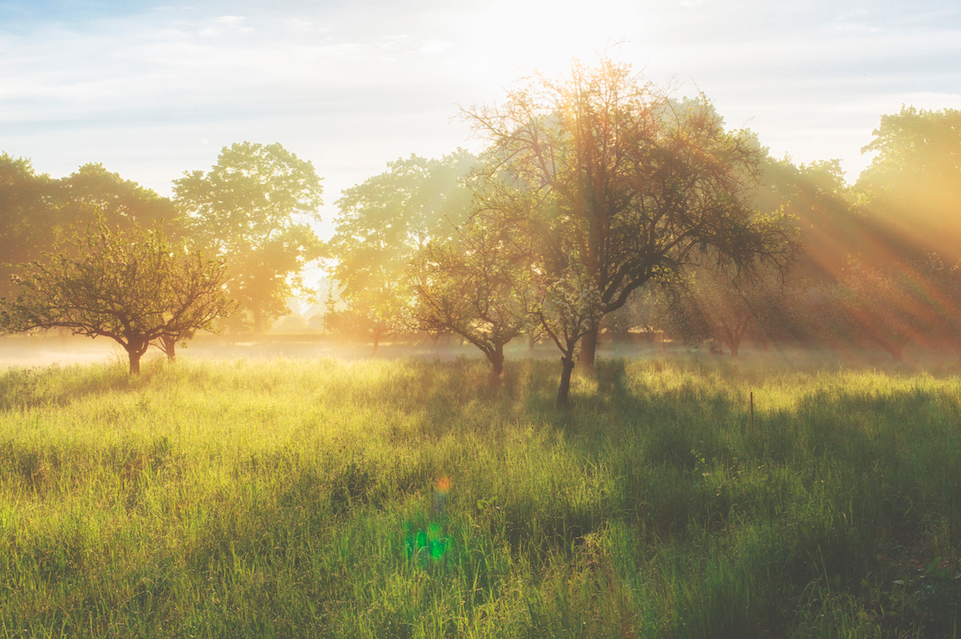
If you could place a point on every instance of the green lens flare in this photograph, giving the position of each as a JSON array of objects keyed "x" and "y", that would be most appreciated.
[{"x": 426, "y": 543}]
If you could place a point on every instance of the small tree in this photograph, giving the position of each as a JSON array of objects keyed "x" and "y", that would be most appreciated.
[
  {"x": 134, "y": 288},
  {"x": 469, "y": 287},
  {"x": 376, "y": 313},
  {"x": 566, "y": 308},
  {"x": 733, "y": 307}
]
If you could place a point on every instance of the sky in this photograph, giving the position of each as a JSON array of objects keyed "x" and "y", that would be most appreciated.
[{"x": 153, "y": 90}]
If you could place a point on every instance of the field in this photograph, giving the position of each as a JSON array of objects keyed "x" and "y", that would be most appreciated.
[{"x": 410, "y": 498}]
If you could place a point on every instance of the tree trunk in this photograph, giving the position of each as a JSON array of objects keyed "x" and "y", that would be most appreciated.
[
  {"x": 497, "y": 362},
  {"x": 258, "y": 322},
  {"x": 169, "y": 346},
  {"x": 588, "y": 348},
  {"x": 376, "y": 344},
  {"x": 734, "y": 342},
  {"x": 134, "y": 355},
  {"x": 896, "y": 351},
  {"x": 563, "y": 390},
  {"x": 531, "y": 340}
]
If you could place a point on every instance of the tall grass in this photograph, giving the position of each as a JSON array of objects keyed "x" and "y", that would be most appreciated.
[{"x": 412, "y": 499}]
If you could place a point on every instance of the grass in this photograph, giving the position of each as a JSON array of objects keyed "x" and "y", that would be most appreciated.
[{"x": 408, "y": 498}]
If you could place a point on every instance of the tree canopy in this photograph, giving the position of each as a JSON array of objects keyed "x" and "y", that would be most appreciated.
[
  {"x": 24, "y": 229},
  {"x": 254, "y": 208},
  {"x": 133, "y": 287},
  {"x": 383, "y": 223},
  {"x": 36, "y": 211},
  {"x": 913, "y": 184},
  {"x": 624, "y": 181}
]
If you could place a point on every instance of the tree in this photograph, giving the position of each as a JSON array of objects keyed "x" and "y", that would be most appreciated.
[
  {"x": 819, "y": 204},
  {"x": 383, "y": 223},
  {"x": 92, "y": 192},
  {"x": 729, "y": 309},
  {"x": 469, "y": 286},
  {"x": 644, "y": 310},
  {"x": 566, "y": 308},
  {"x": 253, "y": 209},
  {"x": 376, "y": 312},
  {"x": 913, "y": 185},
  {"x": 25, "y": 227},
  {"x": 132, "y": 287},
  {"x": 37, "y": 211},
  {"x": 916, "y": 302},
  {"x": 633, "y": 184}
]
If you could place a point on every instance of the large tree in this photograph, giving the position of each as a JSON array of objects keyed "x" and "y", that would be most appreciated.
[
  {"x": 92, "y": 192},
  {"x": 36, "y": 211},
  {"x": 383, "y": 223},
  {"x": 254, "y": 209},
  {"x": 25, "y": 226},
  {"x": 819, "y": 203},
  {"x": 913, "y": 185},
  {"x": 631, "y": 184},
  {"x": 133, "y": 287}
]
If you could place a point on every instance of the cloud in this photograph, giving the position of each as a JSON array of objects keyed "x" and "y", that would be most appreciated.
[
  {"x": 352, "y": 85},
  {"x": 436, "y": 46}
]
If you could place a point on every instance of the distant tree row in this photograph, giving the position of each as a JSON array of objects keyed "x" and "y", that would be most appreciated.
[
  {"x": 102, "y": 256},
  {"x": 600, "y": 206}
]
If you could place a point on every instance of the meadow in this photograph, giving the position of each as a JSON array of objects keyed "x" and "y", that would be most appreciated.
[{"x": 411, "y": 498}]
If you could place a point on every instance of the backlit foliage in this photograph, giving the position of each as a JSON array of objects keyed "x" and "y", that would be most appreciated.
[{"x": 134, "y": 288}]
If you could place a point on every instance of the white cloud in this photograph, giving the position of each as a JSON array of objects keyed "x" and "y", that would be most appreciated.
[
  {"x": 233, "y": 21},
  {"x": 350, "y": 87},
  {"x": 436, "y": 46}
]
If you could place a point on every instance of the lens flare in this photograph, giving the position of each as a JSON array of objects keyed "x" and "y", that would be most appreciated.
[{"x": 427, "y": 541}]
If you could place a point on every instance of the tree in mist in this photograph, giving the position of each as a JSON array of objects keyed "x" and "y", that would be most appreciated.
[
  {"x": 730, "y": 308},
  {"x": 819, "y": 204},
  {"x": 92, "y": 192},
  {"x": 916, "y": 302},
  {"x": 37, "y": 211},
  {"x": 634, "y": 185},
  {"x": 913, "y": 185},
  {"x": 470, "y": 286},
  {"x": 24, "y": 225},
  {"x": 375, "y": 313},
  {"x": 253, "y": 209},
  {"x": 643, "y": 311},
  {"x": 382, "y": 224},
  {"x": 133, "y": 287}
]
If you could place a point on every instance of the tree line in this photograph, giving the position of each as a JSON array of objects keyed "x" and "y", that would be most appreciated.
[{"x": 599, "y": 206}]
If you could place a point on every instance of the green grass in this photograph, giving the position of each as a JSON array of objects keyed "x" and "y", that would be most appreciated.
[{"x": 410, "y": 499}]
